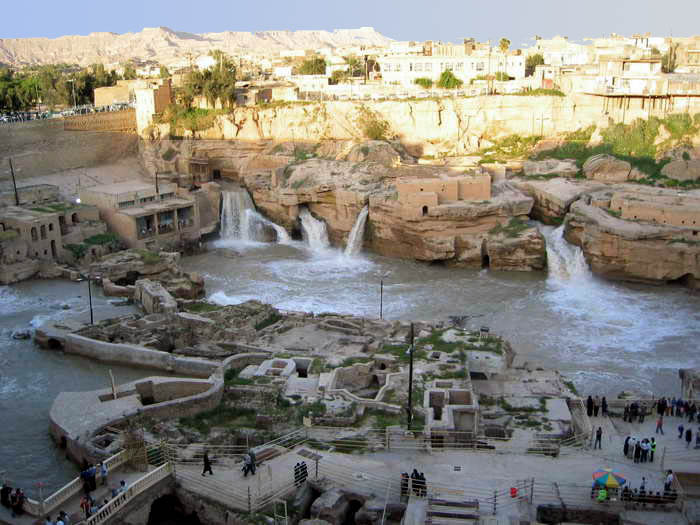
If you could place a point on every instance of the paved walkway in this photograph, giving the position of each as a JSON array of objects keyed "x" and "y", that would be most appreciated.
[{"x": 72, "y": 505}]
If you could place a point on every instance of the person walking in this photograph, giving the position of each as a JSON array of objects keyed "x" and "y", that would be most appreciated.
[
  {"x": 680, "y": 430},
  {"x": 660, "y": 425},
  {"x": 207, "y": 464},
  {"x": 671, "y": 409},
  {"x": 652, "y": 449},
  {"x": 626, "y": 446},
  {"x": 604, "y": 407},
  {"x": 589, "y": 406},
  {"x": 596, "y": 406},
  {"x": 688, "y": 437},
  {"x": 598, "y": 438},
  {"x": 247, "y": 465}
]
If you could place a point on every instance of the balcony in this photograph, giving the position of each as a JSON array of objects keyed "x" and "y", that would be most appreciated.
[{"x": 145, "y": 233}]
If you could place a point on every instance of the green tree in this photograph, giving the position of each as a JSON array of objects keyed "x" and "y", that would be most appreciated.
[
  {"x": 532, "y": 62},
  {"x": 449, "y": 81},
  {"x": 338, "y": 77},
  {"x": 356, "y": 66},
  {"x": 312, "y": 66},
  {"x": 164, "y": 73},
  {"x": 669, "y": 60},
  {"x": 129, "y": 72},
  {"x": 424, "y": 82},
  {"x": 504, "y": 45}
]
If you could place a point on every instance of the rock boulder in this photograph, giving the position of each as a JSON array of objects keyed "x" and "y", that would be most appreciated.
[
  {"x": 682, "y": 170},
  {"x": 607, "y": 168},
  {"x": 566, "y": 167}
]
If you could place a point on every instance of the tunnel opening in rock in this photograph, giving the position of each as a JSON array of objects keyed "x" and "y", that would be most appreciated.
[
  {"x": 353, "y": 506},
  {"x": 54, "y": 344},
  {"x": 129, "y": 279},
  {"x": 167, "y": 510}
]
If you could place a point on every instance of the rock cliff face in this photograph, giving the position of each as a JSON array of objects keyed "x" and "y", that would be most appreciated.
[{"x": 634, "y": 251}]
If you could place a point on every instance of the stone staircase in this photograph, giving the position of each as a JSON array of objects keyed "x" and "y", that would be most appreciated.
[{"x": 446, "y": 512}]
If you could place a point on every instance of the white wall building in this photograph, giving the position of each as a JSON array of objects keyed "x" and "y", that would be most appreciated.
[{"x": 404, "y": 70}]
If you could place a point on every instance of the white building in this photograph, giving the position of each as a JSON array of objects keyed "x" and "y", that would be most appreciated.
[{"x": 405, "y": 69}]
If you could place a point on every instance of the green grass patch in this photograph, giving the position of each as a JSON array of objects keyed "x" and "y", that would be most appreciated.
[
  {"x": 231, "y": 378},
  {"x": 268, "y": 321},
  {"x": 400, "y": 351},
  {"x": 540, "y": 92},
  {"x": 509, "y": 148},
  {"x": 512, "y": 230},
  {"x": 352, "y": 360},
  {"x": 438, "y": 344},
  {"x": 8, "y": 235},
  {"x": 148, "y": 257},
  {"x": 615, "y": 213},
  {"x": 101, "y": 239},
  {"x": 680, "y": 240},
  {"x": 201, "y": 307},
  {"x": 222, "y": 415}
]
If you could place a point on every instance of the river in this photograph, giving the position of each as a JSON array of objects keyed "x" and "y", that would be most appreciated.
[{"x": 604, "y": 336}]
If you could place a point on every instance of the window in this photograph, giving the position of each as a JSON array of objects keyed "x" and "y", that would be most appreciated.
[
  {"x": 164, "y": 196},
  {"x": 419, "y": 67},
  {"x": 148, "y": 199},
  {"x": 480, "y": 66},
  {"x": 428, "y": 66},
  {"x": 127, "y": 204},
  {"x": 397, "y": 68},
  {"x": 51, "y": 227},
  {"x": 387, "y": 68},
  {"x": 459, "y": 66},
  {"x": 410, "y": 66}
]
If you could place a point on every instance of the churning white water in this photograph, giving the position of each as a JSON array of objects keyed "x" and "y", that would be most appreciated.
[
  {"x": 241, "y": 222},
  {"x": 565, "y": 262},
  {"x": 314, "y": 231},
  {"x": 357, "y": 233}
]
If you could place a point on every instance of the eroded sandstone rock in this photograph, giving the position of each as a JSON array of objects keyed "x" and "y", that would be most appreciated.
[
  {"x": 682, "y": 170},
  {"x": 607, "y": 168}
]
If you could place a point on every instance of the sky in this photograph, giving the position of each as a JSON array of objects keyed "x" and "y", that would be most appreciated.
[{"x": 445, "y": 20}]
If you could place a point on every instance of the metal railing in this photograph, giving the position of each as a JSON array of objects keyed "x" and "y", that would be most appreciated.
[{"x": 140, "y": 485}]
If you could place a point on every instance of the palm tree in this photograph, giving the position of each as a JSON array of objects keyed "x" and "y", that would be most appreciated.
[{"x": 503, "y": 45}]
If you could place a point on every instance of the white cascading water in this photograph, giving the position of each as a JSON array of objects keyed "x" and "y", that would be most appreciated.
[
  {"x": 357, "y": 233},
  {"x": 565, "y": 261},
  {"x": 240, "y": 221},
  {"x": 314, "y": 231}
]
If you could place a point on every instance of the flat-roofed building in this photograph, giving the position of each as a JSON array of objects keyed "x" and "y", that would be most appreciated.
[{"x": 144, "y": 217}]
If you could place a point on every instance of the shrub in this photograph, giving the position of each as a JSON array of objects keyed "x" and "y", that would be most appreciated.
[
  {"x": 372, "y": 125},
  {"x": 449, "y": 81},
  {"x": 269, "y": 321},
  {"x": 313, "y": 66},
  {"x": 149, "y": 257},
  {"x": 78, "y": 250},
  {"x": 424, "y": 82},
  {"x": 101, "y": 239},
  {"x": 532, "y": 62}
]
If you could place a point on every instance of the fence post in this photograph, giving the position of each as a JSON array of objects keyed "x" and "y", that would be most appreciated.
[
  {"x": 663, "y": 458},
  {"x": 495, "y": 500},
  {"x": 388, "y": 439},
  {"x": 532, "y": 490},
  {"x": 250, "y": 506}
]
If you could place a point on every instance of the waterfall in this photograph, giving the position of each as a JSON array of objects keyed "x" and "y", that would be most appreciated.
[
  {"x": 357, "y": 233},
  {"x": 315, "y": 232},
  {"x": 240, "y": 221},
  {"x": 565, "y": 261}
]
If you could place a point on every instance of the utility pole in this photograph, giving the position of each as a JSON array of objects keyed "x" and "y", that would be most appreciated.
[
  {"x": 409, "y": 410},
  {"x": 92, "y": 319},
  {"x": 14, "y": 182},
  {"x": 381, "y": 299}
]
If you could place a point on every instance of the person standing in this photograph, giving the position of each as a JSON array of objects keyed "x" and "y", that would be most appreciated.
[
  {"x": 645, "y": 450},
  {"x": 652, "y": 449},
  {"x": 207, "y": 464},
  {"x": 604, "y": 407},
  {"x": 660, "y": 425},
  {"x": 626, "y": 412},
  {"x": 589, "y": 406},
  {"x": 688, "y": 437},
  {"x": 680, "y": 430},
  {"x": 252, "y": 461},
  {"x": 637, "y": 452},
  {"x": 626, "y": 446},
  {"x": 672, "y": 407},
  {"x": 85, "y": 506},
  {"x": 598, "y": 438},
  {"x": 247, "y": 464},
  {"x": 642, "y": 412},
  {"x": 103, "y": 473},
  {"x": 596, "y": 406},
  {"x": 669, "y": 481}
]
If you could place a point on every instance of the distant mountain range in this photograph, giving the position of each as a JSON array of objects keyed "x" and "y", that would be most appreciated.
[{"x": 165, "y": 46}]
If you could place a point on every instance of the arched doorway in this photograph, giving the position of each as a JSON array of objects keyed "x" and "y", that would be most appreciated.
[
  {"x": 53, "y": 248},
  {"x": 74, "y": 218},
  {"x": 42, "y": 230},
  {"x": 35, "y": 237},
  {"x": 425, "y": 211}
]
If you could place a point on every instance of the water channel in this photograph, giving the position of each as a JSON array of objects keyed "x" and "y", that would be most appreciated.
[{"x": 604, "y": 336}]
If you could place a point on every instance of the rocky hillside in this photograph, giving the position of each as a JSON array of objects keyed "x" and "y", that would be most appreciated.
[{"x": 165, "y": 46}]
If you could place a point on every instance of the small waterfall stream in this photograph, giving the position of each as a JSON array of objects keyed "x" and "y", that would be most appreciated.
[
  {"x": 565, "y": 261},
  {"x": 240, "y": 220},
  {"x": 314, "y": 231},
  {"x": 357, "y": 234}
]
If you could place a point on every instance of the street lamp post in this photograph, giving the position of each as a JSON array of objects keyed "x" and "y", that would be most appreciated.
[
  {"x": 89, "y": 280},
  {"x": 409, "y": 410},
  {"x": 14, "y": 182}
]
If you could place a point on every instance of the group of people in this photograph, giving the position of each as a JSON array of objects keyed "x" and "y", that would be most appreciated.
[
  {"x": 300, "y": 474},
  {"x": 13, "y": 499},
  {"x": 641, "y": 495},
  {"x": 89, "y": 476},
  {"x": 90, "y": 506},
  {"x": 634, "y": 412},
  {"x": 418, "y": 483},
  {"x": 595, "y": 405},
  {"x": 689, "y": 436},
  {"x": 61, "y": 519},
  {"x": 640, "y": 450}
]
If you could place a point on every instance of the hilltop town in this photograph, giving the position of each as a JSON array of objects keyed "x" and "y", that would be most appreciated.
[{"x": 452, "y": 154}]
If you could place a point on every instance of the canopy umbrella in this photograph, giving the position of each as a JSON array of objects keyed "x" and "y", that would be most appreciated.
[{"x": 609, "y": 478}]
